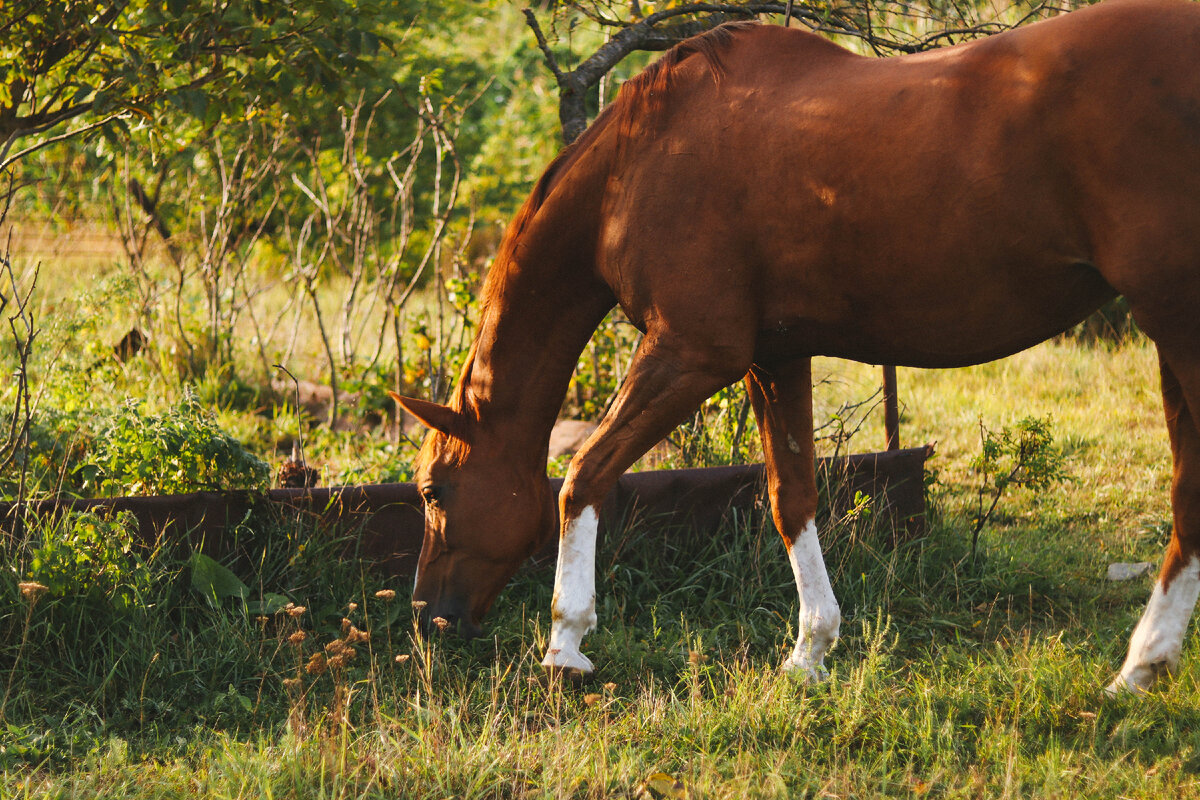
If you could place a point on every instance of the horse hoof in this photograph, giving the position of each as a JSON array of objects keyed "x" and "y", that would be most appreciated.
[
  {"x": 1122, "y": 685},
  {"x": 571, "y": 675},
  {"x": 1137, "y": 680},
  {"x": 573, "y": 666},
  {"x": 804, "y": 671}
]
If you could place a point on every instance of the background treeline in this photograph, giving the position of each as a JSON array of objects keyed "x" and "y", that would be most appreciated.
[{"x": 195, "y": 193}]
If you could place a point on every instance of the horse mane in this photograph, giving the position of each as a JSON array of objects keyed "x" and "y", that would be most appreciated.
[
  {"x": 643, "y": 94},
  {"x": 640, "y": 95},
  {"x": 494, "y": 281}
]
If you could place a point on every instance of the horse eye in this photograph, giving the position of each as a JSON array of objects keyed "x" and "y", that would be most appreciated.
[{"x": 431, "y": 495}]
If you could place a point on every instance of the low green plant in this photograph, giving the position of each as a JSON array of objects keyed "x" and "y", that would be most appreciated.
[
  {"x": 89, "y": 556},
  {"x": 180, "y": 450},
  {"x": 1021, "y": 456}
]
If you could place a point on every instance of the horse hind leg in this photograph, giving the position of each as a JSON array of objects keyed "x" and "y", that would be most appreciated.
[
  {"x": 782, "y": 401},
  {"x": 666, "y": 382},
  {"x": 1157, "y": 641}
]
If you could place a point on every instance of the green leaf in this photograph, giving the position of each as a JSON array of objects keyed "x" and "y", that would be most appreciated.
[{"x": 214, "y": 581}]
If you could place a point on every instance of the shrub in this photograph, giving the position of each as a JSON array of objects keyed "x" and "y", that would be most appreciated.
[
  {"x": 89, "y": 557},
  {"x": 1022, "y": 456},
  {"x": 181, "y": 450}
]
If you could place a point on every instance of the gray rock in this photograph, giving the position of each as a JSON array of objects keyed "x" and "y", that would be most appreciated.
[{"x": 1123, "y": 571}]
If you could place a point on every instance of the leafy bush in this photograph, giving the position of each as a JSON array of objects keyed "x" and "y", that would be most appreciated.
[
  {"x": 181, "y": 450},
  {"x": 90, "y": 557},
  {"x": 1022, "y": 456}
]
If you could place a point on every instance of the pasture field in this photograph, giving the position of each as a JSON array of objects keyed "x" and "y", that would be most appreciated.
[
  {"x": 288, "y": 669},
  {"x": 953, "y": 678}
]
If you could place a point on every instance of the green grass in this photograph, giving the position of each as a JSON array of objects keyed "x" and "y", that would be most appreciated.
[{"x": 953, "y": 678}]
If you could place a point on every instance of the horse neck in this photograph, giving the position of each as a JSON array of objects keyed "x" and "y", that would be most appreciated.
[{"x": 532, "y": 330}]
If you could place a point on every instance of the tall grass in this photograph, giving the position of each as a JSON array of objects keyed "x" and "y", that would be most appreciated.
[{"x": 954, "y": 677}]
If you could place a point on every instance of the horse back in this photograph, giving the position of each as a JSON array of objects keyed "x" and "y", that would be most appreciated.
[{"x": 934, "y": 209}]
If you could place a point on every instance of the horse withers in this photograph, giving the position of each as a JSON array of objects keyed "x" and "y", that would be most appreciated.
[{"x": 760, "y": 196}]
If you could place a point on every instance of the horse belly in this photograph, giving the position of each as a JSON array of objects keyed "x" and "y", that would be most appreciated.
[{"x": 953, "y": 321}]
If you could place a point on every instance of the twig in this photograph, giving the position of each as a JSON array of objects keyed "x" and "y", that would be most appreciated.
[{"x": 299, "y": 421}]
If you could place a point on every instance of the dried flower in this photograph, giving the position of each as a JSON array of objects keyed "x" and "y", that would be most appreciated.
[
  {"x": 294, "y": 610},
  {"x": 386, "y": 594},
  {"x": 419, "y": 605},
  {"x": 32, "y": 590},
  {"x": 317, "y": 664},
  {"x": 441, "y": 622},
  {"x": 592, "y": 699},
  {"x": 336, "y": 647},
  {"x": 356, "y": 636},
  {"x": 338, "y": 662},
  {"x": 353, "y": 607},
  {"x": 609, "y": 687},
  {"x": 696, "y": 658},
  {"x": 298, "y": 637},
  {"x": 400, "y": 659},
  {"x": 292, "y": 683}
]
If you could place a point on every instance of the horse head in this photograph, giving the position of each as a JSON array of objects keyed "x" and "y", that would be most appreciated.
[{"x": 485, "y": 514}]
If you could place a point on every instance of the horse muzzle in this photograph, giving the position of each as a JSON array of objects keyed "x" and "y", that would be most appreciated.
[{"x": 447, "y": 617}]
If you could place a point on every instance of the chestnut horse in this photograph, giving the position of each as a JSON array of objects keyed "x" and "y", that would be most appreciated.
[{"x": 760, "y": 196}]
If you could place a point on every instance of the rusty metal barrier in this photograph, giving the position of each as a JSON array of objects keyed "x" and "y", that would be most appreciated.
[{"x": 384, "y": 523}]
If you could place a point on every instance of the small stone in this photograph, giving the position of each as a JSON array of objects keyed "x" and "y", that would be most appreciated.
[{"x": 1125, "y": 571}]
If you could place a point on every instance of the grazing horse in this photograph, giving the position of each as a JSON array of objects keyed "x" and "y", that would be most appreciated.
[{"x": 760, "y": 196}]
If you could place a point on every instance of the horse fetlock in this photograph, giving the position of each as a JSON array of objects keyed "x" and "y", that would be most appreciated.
[
  {"x": 1157, "y": 642},
  {"x": 818, "y": 633},
  {"x": 566, "y": 636},
  {"x": 819, "y": 629},
  {"x": 575, "y": 617}
]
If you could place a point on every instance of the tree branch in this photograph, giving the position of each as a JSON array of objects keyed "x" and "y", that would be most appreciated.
[
  {"x": 649, "y": 34},
  {"x": 7, "y": 160}
]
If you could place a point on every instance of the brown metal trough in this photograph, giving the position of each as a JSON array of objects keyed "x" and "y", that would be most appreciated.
[{"x": 384, "y": 523}]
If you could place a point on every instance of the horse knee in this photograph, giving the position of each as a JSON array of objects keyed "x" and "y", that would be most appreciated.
[{"x": 585, "y": 486}]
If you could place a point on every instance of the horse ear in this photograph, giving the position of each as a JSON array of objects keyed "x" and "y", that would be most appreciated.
[{"x": 434, "y": 415}]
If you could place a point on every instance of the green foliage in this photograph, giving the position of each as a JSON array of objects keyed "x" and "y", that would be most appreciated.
[
  {"x": 90, "y": 557},
  {"x": 180, "y": 450},
  {"x": 129, "y": 60},
  {"x": 950, "y": 680},
  {"x": 601, "y": 366},
  {"x": 1023, "y": 456},
  {"x": 213, "y": 581},
  {"x": 921, "y": 700}
]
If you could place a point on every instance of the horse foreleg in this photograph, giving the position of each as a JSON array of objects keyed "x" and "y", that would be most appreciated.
[
  {"x": 573, "y": 609},
  {"x": 782, "y": 400},
  {"x": 1157, "y": 640},
  {"x": 664, "y": 385}
]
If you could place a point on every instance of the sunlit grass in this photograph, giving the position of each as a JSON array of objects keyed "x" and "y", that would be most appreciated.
[{"x": 953, "y": 677}]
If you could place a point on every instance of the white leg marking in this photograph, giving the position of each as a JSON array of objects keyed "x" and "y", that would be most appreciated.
[
  {"x": 820, "y": 616},
  {"x": 1158, "y": 637},
  {"x": 573, "y": 612}
]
